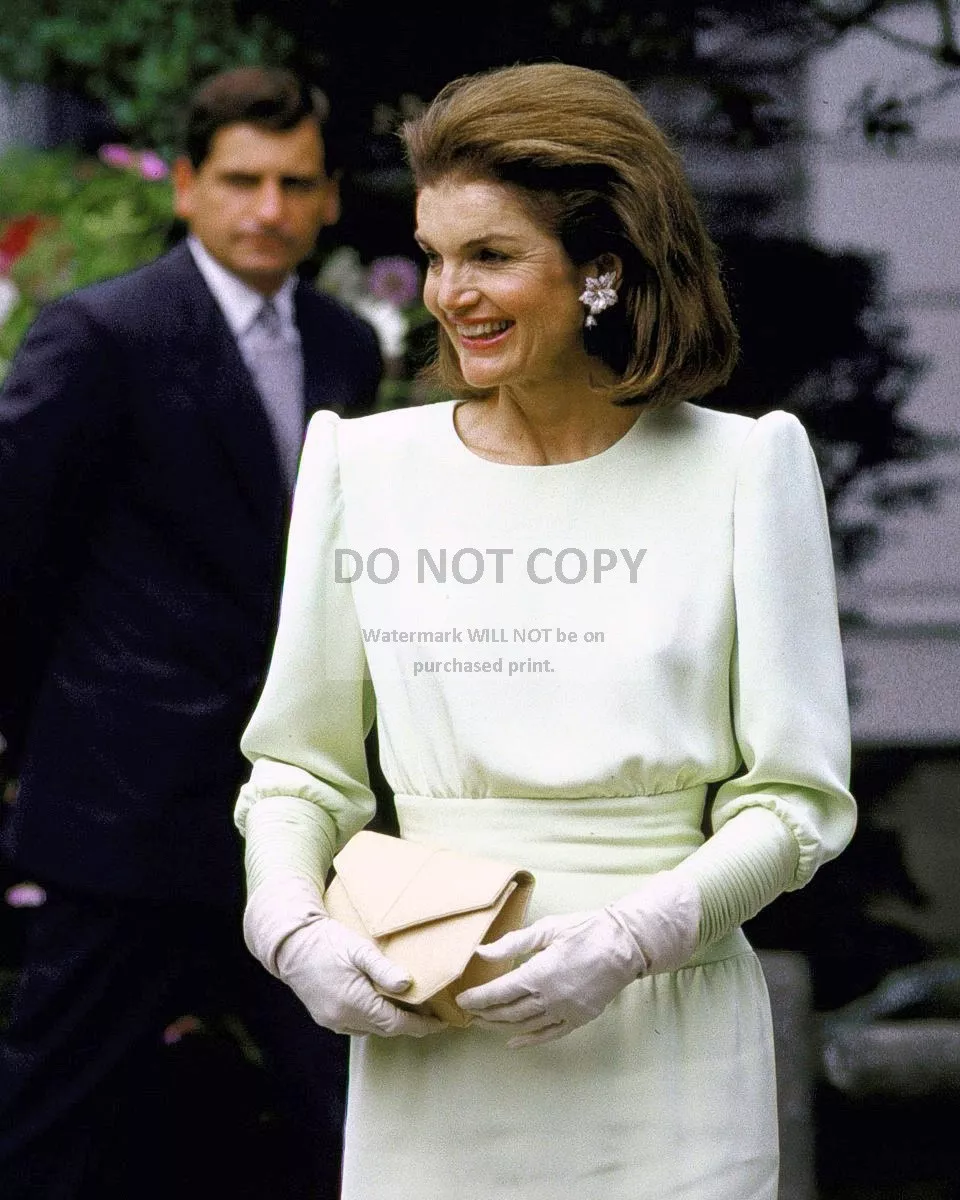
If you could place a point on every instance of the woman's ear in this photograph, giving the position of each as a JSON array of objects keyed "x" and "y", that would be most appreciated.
[{"x": 606, "y": 264}]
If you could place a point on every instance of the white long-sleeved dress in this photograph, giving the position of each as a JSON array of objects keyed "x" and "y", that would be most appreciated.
[{"x": 562, "y": 660}]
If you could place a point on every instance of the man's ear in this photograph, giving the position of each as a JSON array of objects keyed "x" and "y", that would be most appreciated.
[
  {"x": 331, "y": 200},
  {"x": 183, "y": 176}
]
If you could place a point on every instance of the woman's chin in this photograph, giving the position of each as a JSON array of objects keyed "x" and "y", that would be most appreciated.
[{"x": 483, "y": 379}]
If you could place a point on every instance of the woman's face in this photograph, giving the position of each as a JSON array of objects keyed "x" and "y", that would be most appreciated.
[{"x": 502, "y": 287}]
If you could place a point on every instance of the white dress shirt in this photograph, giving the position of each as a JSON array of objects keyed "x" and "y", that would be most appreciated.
[
  {"x": 277, "y": 371},
  {"x": 240, "y": 303}
]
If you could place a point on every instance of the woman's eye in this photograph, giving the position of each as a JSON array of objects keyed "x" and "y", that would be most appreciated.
[
  {"x": 433, "y": 259},
  {"x": 487, "y": 255}
]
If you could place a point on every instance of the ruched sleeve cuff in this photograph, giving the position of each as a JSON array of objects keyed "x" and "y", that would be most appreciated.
[
  {"x": 288, "y": 837},
  {"x": 739, "y": 870}
]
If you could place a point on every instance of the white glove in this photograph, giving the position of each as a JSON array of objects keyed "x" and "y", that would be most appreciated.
[
  {"x": 582, "y": 960},
  {"x": 334, "y": 971}
]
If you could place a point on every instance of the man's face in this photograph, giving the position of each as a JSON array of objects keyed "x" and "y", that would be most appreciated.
[{"x": 258, "y": 200}]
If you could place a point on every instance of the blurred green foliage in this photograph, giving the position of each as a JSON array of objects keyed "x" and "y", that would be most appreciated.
[
  {"x": 94, "y": 221},
  {"x": 139, "y": 58}
]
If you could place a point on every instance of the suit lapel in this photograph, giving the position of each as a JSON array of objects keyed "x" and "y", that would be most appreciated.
[
  {"x": 226, "y": 396},
  {"x": 323, "y": 383}
]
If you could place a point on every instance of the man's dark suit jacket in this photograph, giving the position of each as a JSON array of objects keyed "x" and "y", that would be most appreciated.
[{"x": 143, "y": 516}]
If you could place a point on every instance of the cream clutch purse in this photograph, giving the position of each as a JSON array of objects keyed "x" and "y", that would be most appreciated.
[{"x": 428, "y": 909}]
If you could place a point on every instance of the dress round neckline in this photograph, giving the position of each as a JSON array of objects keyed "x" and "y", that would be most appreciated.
[{"x": 611, "y": 453}]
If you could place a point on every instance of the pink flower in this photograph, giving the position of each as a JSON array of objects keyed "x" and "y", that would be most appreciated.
[
  {"x": 152, "y": 165},
  {"x": 25, "y": 895},
  {"x": 180, "y": 1028},
  {"x": 394, "y": 279},
  {"x": 115, "y": 155}
]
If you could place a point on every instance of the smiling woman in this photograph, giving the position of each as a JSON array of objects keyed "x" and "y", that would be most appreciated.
[
  {"x": 590, "y": 171},
  {"x": 671, "y": 566},
  {"x": 503, "y": 290}
]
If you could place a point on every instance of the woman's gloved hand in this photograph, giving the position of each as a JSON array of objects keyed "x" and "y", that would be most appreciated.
[
  {"x": 580, "y": 961},
  {"x": 335, "y": 972}
]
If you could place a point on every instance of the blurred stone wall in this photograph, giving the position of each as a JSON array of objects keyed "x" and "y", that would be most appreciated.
[{"x": 903, "y": 204}]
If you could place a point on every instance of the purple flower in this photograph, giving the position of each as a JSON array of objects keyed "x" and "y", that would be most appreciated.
[
  {"x": 115, "y": 155},
  {"x": 394, "y": 279},
  {"x": 152, "y": 165},
  {"x": 25, "y": 895}
]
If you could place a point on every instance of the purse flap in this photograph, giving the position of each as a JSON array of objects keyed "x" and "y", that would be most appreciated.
[{"x": 395, "y": 884}]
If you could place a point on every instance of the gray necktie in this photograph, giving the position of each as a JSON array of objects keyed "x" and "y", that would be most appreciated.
[{"x": 277, "y": 368}]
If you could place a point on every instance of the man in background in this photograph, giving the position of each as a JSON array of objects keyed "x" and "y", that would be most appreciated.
[{"x": 149, "y": 433}]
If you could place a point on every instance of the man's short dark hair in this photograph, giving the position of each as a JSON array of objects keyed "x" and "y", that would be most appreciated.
[{"x": 271, "y": 98}]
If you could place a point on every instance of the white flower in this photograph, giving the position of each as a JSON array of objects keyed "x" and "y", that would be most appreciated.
[
  {"x": 388, "y": 322},
  {"x": 8, "y": 297},
  {"x": 343, "y": 275}
]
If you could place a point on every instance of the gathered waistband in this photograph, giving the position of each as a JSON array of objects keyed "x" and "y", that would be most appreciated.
[
  {"x": 583, "y": 851},
  {"x": 603, "y": 835}
]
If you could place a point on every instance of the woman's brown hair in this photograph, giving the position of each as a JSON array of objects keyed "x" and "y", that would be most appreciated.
[{"x": 594, "y": 169}]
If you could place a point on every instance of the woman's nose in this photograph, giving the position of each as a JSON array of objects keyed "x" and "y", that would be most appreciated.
[{"x": 455, "y": 290}]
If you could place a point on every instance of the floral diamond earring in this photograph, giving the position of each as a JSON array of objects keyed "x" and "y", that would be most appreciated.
[{"x": 598, "y": 294}]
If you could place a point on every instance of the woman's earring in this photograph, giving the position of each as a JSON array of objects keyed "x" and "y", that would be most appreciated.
[{"x": 598, "y": 294}]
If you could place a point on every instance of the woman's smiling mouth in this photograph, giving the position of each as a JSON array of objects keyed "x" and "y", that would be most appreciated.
[{"x": 482, "y": 332}]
